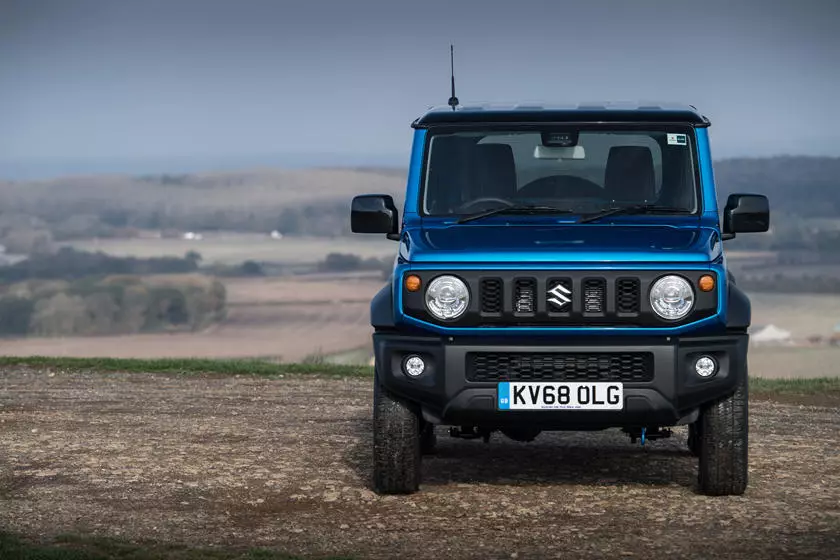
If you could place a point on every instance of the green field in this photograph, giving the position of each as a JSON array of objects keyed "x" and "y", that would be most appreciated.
[
  {"x": 784, "y": 361},
  {"x": 801, "y": 314},
  {"x": 824, "y": 386},
  {"x": 234, "y": 248}
]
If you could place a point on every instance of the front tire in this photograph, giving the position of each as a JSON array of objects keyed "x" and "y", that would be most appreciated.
[
  {"x": 694, "y": 437},
  {"x": 428, "y": 439},
  {"x": 723, "y": 445},
  {"x": 396, "y": 444}
]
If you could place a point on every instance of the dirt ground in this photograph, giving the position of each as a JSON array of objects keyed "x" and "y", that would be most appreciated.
[{"x": 284, "y": 464}]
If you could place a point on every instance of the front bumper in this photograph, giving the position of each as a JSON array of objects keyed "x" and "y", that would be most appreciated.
[{"x": 674, "y": 394}]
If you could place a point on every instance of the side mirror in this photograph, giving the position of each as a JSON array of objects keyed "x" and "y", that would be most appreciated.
[
  {"x": 375, "y": 213},
  {"x": 745, "y": 213}
]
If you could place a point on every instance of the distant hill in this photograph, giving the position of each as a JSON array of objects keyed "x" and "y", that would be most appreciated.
[
  {"x": 315, "y": 201},
  {"x": 797, "y": 185}
]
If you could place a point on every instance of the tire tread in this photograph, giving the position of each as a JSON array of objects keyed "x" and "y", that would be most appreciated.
[
  {"x": 723, "y": 445},
  {"x": 396, "y": 445}
]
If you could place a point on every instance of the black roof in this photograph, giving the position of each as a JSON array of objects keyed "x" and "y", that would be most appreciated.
[{"x": 582, "y": 113}]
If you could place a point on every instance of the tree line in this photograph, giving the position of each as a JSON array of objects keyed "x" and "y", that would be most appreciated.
[{"x": 79, "y": 293}]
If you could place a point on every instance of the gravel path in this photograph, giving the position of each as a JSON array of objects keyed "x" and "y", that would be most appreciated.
[{"x": 284, "y": 463}]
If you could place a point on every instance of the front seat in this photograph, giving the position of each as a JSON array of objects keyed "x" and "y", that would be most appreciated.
[
  {"x": 494, "y": 172},
  {"x": 629, "y": 176}
]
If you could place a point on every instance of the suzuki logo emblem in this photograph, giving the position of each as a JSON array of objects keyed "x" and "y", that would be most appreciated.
[{"x": 560, "y": 295}]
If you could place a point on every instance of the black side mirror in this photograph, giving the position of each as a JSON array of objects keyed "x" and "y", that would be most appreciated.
[
  {"x": 375, "y": 213},
  {"x": 745, "y": 213}
]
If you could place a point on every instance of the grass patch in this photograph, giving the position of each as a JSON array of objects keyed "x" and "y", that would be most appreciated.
[
  {"x": 817, "y": 391},
  {"x": 75, "y": 547},
  {"x": 823, "y": 388},
  {"x": 800, "y": 386},
  {"x": 189, "y": 366}
]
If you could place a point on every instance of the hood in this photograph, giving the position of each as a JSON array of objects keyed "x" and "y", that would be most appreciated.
[{"x": 574, "y": 243}]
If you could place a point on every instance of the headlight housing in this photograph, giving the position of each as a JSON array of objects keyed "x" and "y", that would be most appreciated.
[
  {"x": 447, "y": 297},
  {"x": 672, "y": 297}
]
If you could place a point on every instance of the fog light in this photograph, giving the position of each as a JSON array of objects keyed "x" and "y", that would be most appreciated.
[
  {"x": 705, "y": 366},
  {"x": 414, "y": 366}
]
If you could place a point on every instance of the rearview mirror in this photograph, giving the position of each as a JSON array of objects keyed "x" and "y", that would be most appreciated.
[
  {"x": 374, "y": 213},
  {"x": 745, "y": 213}
]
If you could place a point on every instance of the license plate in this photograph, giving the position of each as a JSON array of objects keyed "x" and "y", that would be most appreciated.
[{"x": 560, "y": 396}]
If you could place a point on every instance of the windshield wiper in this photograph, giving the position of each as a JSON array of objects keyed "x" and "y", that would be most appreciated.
[
  {"x": 513, "y": 210},
  {"x": 634, "y": 209}
]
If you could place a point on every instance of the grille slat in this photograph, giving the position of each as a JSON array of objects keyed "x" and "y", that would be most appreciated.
[
  {"x": 627, "y": 295},
  {"x": 594, "y": 295},
  {"x": 491, "y": 295},
  {"x": 524, "y": 296},
  {"x": 536, "y": 366}
]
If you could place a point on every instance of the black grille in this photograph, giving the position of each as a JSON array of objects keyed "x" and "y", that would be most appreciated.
[
  {"x": 594, "y": 294},
  {"x": 524, "y": 296},
  {"x": 627, "y": 295},
  {"x": 533, "y": 366},
  {"x": 533, "y": 298},
  {"x": 491, "y": 295}
]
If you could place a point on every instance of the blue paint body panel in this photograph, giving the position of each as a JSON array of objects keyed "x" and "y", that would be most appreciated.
[{"x": 521, "y": 242}]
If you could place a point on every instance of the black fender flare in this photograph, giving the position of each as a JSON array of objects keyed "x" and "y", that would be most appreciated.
[
  {"x": 739, "y": 311},
  {"x": 382, "y": 308}
]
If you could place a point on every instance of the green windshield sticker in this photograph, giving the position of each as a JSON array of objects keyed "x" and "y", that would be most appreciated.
[{"x": 677, "y": 140}]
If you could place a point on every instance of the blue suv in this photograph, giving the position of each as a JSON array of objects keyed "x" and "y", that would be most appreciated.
[{"x": 560, "y": 268}]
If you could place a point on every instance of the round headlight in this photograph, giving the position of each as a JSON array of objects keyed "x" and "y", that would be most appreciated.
[
  {"x": 447, "y": 297},
  {"x": 672, "y": 297}
]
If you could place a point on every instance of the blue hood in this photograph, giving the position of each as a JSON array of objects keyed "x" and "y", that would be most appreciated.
[{"x": 573, "y": 243}]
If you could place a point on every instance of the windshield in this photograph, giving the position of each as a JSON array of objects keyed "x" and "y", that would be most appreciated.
[{"x": 576, "y": 171}]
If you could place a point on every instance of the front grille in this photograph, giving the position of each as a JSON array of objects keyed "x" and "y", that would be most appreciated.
[
  {"x": 537, "y": 366},
  {"x": 491, "y": 295},
  {"x": 594, "y": 295},
  {"x": 524, "y": 294},
  {"x": 556, "y": 298},
  {"x": 627, "y": 294}
]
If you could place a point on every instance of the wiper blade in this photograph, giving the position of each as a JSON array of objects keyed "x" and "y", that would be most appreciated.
[
  {"x": 513, "y": 210},
  {"x": 634, "y": 209}
]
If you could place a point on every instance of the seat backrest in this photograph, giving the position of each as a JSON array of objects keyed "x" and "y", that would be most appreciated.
[
  {"x": 629, "y": 176},
  {"x": 493, "y": 171}
]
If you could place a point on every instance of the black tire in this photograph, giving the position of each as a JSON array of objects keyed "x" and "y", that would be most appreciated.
[
  {"x": 723, "y": 444},
  {"x": 428, "y": 439},
  {"x": 694, "y": 437},
  {"x": 396, "y": 445}
]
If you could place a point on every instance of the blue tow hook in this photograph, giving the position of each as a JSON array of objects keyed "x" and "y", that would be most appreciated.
[{"x": 642, "y": 439}]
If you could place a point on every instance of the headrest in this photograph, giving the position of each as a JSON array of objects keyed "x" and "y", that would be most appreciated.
[
  {"x": 629, "y": 176},
  {"x": 494, "y": 171}
]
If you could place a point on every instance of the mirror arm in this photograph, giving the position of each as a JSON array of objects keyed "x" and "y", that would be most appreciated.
[
  {"x": 393, "y": 236},
  {"x": 727, "y": 236}
]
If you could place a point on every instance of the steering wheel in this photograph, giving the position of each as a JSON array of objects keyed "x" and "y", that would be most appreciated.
[{"x": 470, "y": 205}]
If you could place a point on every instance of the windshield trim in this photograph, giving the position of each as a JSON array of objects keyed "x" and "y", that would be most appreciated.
[{"x": 683, "y": 127}]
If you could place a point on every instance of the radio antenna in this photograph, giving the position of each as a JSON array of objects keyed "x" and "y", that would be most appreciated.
[{"x": 453, "y": 101}]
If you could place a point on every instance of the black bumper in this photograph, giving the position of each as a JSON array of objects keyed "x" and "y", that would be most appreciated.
[{"x": 674, "y": 393}]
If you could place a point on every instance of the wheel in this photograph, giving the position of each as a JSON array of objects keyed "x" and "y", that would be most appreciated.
[
  {"x": 722, "y": 444},
  {"x": 428, "y": 439},
  {"x": 396, "y": 444},
  {"x": 694, "y": 438}
]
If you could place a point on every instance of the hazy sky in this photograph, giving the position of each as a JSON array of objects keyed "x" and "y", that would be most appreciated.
[{"x": 93, "y": 80}]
